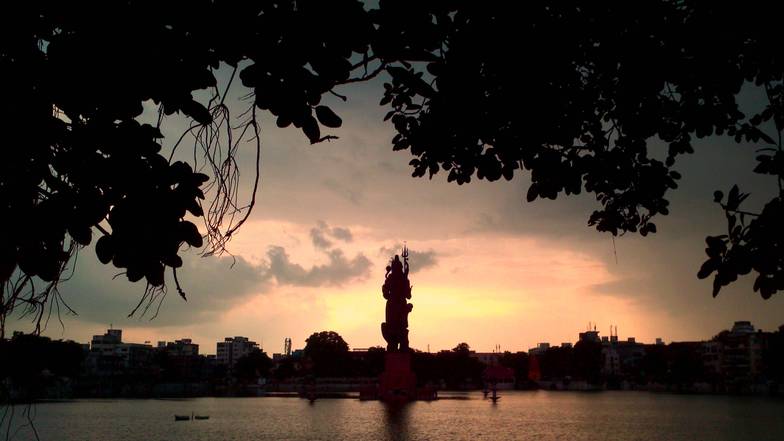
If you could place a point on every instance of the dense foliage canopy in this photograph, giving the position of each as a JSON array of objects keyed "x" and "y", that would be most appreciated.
[
  {"x": 255, "y": 365},
  {"x": 572, "y": 91},
  {"x": 328, "y": 353}
]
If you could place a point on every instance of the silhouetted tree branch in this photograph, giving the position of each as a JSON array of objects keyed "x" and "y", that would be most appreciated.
[{"x": 573, "y": 92}]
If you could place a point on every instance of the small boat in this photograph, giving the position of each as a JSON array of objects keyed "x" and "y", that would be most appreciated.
[
  {"x": 182, "y": 417},
  {"x": 201, "y": 417}
]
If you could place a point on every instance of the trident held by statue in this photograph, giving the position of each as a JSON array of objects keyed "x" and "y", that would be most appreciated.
[{"x": 405, "y": 258}]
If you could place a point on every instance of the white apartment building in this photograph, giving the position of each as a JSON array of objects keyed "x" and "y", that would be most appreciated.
[{"x": 232, "y": 349}]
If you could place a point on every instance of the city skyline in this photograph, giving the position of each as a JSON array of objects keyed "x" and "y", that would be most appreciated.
[{"x": 210, "y": 348}]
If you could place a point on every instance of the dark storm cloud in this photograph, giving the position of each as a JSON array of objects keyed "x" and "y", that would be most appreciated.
[
  {"x": 419, "y": 260},
  {"x": 626, "y": 287},
  {"x": 658, "y": 276},
  {"x": 212, "y": 285},
  {"x": 337, "y": 271}
]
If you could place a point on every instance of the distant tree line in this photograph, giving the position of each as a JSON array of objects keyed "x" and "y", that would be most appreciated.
[
  {"x": 37, "y": 367},
  {"x": 327, "y": 355},
  {"x": 455, "y": 368},
  {"x": 33, "y": 364}
]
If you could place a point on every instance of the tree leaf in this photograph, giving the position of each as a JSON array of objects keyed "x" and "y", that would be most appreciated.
[
  {"x": 708, "y": 267},
  {"x": 104, "y": 249},
  {"x": 196, "y": 111},
  {"x": 311, "y": 129},
  {"x": 327, "y": 117},
  {"x": 533, "y": 192},
  {"x": 716, "y": 285}
]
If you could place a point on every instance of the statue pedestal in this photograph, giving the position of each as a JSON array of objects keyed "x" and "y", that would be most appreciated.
[{"x": 398, "y": 382}]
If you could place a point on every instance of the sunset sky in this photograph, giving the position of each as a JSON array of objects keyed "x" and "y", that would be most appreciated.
[{"x": 487, "y": 267}]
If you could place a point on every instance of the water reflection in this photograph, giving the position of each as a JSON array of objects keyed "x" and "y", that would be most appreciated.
[
  {"x": 396, "y": 421},
  {"x": 540, "y": 416}
]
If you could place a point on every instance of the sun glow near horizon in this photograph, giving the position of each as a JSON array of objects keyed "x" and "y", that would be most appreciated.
[{"x": 481, "y": 288}]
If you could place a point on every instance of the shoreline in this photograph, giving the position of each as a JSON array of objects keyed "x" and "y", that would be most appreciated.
[{"x": 449, "y": 394}]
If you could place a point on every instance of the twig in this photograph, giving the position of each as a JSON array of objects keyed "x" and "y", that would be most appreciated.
[{"x": 177, "y": 283}]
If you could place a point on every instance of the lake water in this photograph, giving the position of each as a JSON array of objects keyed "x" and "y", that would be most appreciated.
[{"x": 519, "y": 415}]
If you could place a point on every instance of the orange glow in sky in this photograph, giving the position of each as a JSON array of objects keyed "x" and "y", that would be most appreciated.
[
  {"x": 492, "y": 269},
  {"x": 484, "y": 289}
]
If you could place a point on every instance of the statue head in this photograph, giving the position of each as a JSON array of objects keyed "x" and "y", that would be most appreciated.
[{"x": 397, "y": 265}]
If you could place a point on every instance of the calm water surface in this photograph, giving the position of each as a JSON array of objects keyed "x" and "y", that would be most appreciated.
[{"x": 519, "y": 415}]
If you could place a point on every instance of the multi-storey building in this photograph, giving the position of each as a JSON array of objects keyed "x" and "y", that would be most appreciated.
[
  {"x": 741, "y": 354},
  {"x": 184, "y": 347},
  {"x": 108, "y": 354},
  {"x": 232, "y": 349},
  {"x": 540, "y": 349}
]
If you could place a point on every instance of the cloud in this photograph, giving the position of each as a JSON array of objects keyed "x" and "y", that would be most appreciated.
[
  {"x": 343, "y": 234},
  {"x": 627, "y": 287},
  {"x": 319, "y": 233},
  {"x": 318, "y": 239},
  {"x": 350, "y": 193},
  {"x": 419, "y": 260},
  {"x": 213, "y": 285},
  {"x": 337, "y": 271}
]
